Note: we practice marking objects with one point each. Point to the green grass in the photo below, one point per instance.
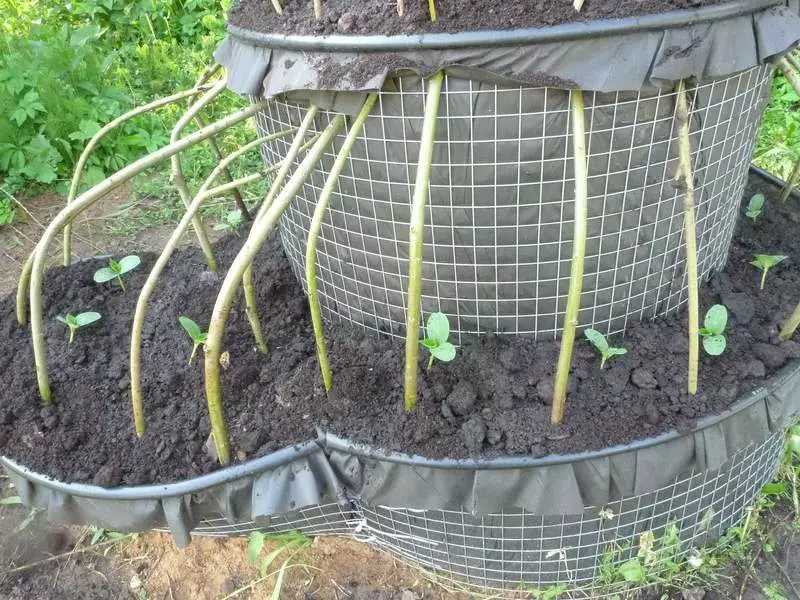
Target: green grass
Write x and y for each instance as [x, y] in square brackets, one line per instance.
[778, 141]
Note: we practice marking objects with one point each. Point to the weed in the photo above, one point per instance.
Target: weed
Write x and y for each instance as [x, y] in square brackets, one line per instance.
[438, 330]
[714, 328]
[755, 207]
[599, 341]
[764, 262]
[198, 336]
[115, 270]
[10, 501]
[75, 322]
[285, 542]
[231, 221]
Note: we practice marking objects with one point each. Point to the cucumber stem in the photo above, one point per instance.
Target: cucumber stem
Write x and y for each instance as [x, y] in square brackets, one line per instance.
[416, 233]
[580, 162]
[788, 329]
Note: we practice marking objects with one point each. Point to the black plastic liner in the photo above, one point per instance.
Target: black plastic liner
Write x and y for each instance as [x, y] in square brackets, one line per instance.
[610, 55]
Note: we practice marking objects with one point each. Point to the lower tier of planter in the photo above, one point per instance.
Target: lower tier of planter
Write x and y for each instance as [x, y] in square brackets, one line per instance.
[493, 523]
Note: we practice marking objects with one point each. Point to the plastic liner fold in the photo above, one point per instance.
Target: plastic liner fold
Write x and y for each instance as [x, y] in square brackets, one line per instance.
[652, 51]
[565, 485]
[259, 490]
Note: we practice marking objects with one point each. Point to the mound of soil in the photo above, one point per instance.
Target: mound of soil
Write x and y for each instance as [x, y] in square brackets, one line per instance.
[380, 16]
[491, 400]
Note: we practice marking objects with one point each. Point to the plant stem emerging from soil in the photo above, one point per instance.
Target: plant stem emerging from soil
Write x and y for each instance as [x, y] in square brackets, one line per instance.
[318, 9]
[432, 10]
[578, 253]
[416, 233]
[86, 200]
[150, 285]
[255, 240]
[313, 237]
[791, 182]
[686, 180]
[97, 137]
[177, 169]
[276, 4]
[401, 8]
[791, 324]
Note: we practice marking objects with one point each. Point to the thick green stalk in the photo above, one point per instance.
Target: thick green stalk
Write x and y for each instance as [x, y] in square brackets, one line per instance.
[255, 240]
[690, 232]
[580, 163]
[791, 324]
[416, 233]
[313, 237]
[177, 169]
[432, 9]
[215, 150]
[97, 137]
[86, 200]
[150, 285]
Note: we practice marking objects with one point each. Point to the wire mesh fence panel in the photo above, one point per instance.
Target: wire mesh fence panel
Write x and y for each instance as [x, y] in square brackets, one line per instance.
[498, 236]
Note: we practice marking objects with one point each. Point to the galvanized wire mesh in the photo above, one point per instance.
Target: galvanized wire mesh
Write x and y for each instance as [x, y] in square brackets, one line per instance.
[499, 221]
[515, 550]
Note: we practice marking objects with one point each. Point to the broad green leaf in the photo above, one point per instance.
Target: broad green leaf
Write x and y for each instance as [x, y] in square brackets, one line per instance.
[756, 204]
[429, 343]
[86, 318]
[103, 275]
[254, 546]
[767, 261]
[632, 571]
[270, 558]
[444, 352]
[716, 319]
[773, 489]
[99, 532]
[714, 344]
[129, 263]
[617, 351]
[438, 327]
[192, 328]
[597, 339]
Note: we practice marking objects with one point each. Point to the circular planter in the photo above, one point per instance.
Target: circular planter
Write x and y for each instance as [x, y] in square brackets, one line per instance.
[499, 221]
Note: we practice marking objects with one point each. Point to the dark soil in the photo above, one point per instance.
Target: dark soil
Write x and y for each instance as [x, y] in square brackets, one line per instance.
[380, 16]
[492, 400]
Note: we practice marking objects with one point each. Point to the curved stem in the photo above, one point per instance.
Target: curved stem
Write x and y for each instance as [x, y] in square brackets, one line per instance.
[416, 234]
[276, 4]
[83, 202]
[97, 137]
[690, 232]
[571, 314]
[258, 235]
[251, 310]
[791, 324]
[177, 169]
[288, 161]
[791, 182]
[150, 285]
[313, 237]
[22, 289]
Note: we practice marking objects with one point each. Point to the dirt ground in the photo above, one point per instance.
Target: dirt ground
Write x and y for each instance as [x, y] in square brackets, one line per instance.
[44, 561]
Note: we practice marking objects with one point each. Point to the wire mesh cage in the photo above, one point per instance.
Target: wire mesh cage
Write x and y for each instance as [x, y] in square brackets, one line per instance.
[499, 218]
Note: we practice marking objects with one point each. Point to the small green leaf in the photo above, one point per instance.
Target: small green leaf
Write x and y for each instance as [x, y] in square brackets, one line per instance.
[129, 263]
[62, 320]
[755, 206]
[632, 571]
[10, 501]
[254, 546]
[438, 327]
[597, 339]
[114, 266]
[716, 319]
[429, 343]
[444, 352]
[269, 558]
[714, 344]
[773, 489]
[767, 261]
[103, 275]
[86, 318]
[617, 351]
[192, 328]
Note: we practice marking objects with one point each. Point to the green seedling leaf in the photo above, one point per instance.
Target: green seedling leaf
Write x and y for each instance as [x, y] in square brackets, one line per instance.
[598, 340]
[714, 345]
[86, 318]
[764, 262]
[255, 544]
[444, 352]
[103, 275]
[438, 328]
[115, 270]
[773, 489]
[231, 222]
[11, 501]
[75, 322]
[129, 263]
[198, 336]
[716, 319]
[632, 571]
[755, 207]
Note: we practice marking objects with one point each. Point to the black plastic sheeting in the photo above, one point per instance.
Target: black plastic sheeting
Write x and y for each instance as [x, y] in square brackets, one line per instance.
[611, 55]
[337, 471]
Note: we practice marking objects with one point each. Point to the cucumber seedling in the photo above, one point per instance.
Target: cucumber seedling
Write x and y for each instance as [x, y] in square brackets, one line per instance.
[75, 322]
[438, 330]
[198, 336]
[607, 351]
[755, 207]
[115, 270]
[232, 222]
[764, 262]
[713, 329]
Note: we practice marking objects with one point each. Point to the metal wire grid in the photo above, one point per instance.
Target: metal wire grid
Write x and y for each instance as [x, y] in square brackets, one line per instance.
[499, 223]
[501, 552]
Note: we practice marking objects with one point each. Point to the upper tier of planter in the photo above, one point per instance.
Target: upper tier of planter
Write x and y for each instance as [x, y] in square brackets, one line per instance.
[498, 238]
